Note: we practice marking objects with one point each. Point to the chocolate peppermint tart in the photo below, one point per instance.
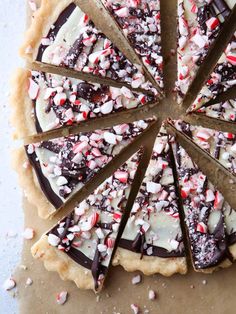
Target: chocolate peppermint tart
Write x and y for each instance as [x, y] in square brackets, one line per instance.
[221, 80]
[219, 145]
[139, 21]
[48, 101]
[80, 247]
[64, 165]
[199, 24]
[152, 241]
[69, 39]
[210, 222]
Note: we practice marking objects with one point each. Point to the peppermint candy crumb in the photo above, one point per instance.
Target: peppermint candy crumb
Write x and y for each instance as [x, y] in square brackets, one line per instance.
[28, 234]
[29, 282]
[136, 279]
[9, 284]
[135, 308]
[152, 295]
[204, 282]
[62, 297]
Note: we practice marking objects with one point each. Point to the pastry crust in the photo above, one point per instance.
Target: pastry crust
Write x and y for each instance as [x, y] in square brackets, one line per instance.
[30, 185]
[55, 260]
[232, 250]
[21, 117]
[149, 265]
[44, 17]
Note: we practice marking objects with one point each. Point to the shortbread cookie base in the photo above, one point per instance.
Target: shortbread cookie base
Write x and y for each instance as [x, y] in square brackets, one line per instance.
[55, 260]
[30, 185]
[44, 17]
[232, 250]
[149, 265]
[22, 115]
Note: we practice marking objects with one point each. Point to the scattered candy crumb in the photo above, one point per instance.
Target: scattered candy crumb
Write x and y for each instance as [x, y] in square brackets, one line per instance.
[62, 297]
[152, 295]
[9, 284]
[204, 282]
[135, 308]
[28, 233]
[29, 282]
[136, 279]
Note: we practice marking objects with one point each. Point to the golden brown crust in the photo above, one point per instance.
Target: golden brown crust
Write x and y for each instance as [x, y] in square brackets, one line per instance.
[232, 250]
[21, 116]
[149, 265]
[30, 185]
[226, 263]
[44, 18]
[55, 260]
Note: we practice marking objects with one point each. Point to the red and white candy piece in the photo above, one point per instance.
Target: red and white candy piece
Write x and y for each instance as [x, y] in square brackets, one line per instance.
[219, 200]
[212, 23]
[184, 72]
[33, 89]
[117, 216]
[135, 308]
[123, 12]
[61, 297]
[110, 243]
[231, 57]
[203, 134]
[122, 176]
[90, 222]
[60, 99]
[201, 227]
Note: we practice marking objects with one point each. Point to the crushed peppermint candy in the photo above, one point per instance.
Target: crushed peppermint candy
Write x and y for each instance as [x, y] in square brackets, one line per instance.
[9, 284]
[136, 279]
[152, 295]
[61, 297]
[28, 233]
[135, 308]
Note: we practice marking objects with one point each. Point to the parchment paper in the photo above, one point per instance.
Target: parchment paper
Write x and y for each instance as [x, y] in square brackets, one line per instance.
[178, 294]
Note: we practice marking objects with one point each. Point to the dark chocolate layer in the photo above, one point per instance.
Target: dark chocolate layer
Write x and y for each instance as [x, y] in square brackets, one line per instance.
[44, 183]
[157, 251]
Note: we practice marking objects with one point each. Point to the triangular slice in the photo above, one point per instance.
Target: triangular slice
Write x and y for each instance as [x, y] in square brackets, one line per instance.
[152, 241]
[70, 40]
[80, 247]
[140, 22]
[219, 145]
[223, 111]
[221, 79]
[45, 101]
[199, 24]
[204, 210]
[64, 165]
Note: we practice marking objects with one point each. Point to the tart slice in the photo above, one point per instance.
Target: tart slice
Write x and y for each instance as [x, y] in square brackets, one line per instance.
[199, 24]
[204, 210]
[221, 79]
[223, 111]
[219, 145]
[152, 241]
[140, 22]
[69, 39]
[80, 247]
[62, 166]
[45, 101]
